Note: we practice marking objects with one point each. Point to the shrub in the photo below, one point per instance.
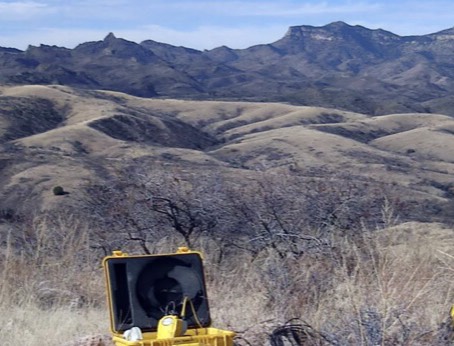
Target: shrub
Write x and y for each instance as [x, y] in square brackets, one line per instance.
[58, 191]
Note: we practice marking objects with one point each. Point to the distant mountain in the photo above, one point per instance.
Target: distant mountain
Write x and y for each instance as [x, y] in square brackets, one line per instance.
[337, 65]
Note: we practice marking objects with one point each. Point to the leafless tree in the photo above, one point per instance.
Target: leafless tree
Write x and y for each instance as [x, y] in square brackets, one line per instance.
[292, 215]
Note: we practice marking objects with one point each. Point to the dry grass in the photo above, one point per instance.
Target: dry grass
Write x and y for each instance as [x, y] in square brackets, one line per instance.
[31, 325]
[261, 136]
[393, 286]
[228, 119]
[51, 288]
[382, 287]
[427, 143]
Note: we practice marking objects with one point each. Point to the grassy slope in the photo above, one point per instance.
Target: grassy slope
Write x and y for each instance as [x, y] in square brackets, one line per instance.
[407, 274]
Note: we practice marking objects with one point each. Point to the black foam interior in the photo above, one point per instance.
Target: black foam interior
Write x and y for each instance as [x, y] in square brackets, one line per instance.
[144, 289]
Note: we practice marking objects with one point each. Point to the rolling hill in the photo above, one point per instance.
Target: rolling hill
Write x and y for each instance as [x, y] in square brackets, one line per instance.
[57, 135]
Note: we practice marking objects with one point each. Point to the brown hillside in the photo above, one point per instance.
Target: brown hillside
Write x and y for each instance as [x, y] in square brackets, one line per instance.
[81, 137]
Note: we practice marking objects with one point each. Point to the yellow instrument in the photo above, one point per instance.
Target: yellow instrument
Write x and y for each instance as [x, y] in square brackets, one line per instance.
[160, 300]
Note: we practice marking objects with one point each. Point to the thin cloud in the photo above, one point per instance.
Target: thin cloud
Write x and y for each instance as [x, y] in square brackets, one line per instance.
[274, 10]
[16, 11]
[101, 10]
[268, 8]
[164, 10]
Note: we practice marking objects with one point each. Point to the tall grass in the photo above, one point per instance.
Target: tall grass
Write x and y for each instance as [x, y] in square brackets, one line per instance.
[51, 287]
[386, 287]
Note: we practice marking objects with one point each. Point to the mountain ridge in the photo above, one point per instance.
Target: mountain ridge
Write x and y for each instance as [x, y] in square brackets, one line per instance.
[338, 65]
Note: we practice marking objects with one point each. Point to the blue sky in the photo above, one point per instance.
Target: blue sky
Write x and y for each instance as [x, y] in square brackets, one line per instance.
[204, 24]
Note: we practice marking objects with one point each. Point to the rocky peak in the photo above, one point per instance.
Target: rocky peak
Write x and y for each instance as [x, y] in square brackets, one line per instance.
[117, 48]
[47, 54]
[297, 32]
[110, 37]
[340, 34]
[336, 29]
[223, 54]
[337, 26]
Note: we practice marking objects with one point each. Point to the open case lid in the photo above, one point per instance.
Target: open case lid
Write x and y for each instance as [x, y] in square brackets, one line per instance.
[142, 289]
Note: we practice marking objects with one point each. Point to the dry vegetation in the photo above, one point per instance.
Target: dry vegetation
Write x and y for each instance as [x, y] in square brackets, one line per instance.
[51, 289]
[271, 255]
[383, 292]
[85, 136]
[302, 212]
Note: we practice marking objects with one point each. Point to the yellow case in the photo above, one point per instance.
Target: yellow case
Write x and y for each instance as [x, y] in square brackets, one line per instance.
[197, 337]
[141, 290]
